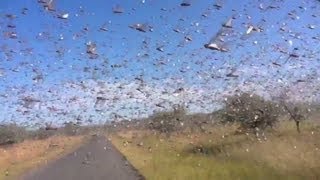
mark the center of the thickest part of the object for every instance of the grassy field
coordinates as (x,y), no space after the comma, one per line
(222,154)
(19,158)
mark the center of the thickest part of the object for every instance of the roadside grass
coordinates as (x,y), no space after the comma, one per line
(19,158)
(223,154)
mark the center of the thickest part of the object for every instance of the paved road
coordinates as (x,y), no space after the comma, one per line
(96,160)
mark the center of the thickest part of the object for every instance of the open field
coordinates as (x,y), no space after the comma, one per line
(223,154)
(18,158)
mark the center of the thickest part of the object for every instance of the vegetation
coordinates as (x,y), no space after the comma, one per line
(70,129)
(176,145)
(218,150)
(42,134)
(296,111)
(21,157)
(296,115)
(168,122)
(22,150)
(11,133)
(251,111)
(223,154)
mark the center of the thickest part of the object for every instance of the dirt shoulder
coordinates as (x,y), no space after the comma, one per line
(98,159)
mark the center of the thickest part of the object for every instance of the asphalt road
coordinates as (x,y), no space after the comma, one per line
(96,160)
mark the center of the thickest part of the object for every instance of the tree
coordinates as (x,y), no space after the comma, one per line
(169,121)
(251,111)
(294,110)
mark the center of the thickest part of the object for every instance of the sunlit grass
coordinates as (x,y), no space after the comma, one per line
(222,154)
(21,157)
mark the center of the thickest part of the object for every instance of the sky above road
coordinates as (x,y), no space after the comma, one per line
(142,56)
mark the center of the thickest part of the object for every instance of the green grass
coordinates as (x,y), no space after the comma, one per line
(223,155)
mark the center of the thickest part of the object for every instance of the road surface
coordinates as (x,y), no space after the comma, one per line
(96,160)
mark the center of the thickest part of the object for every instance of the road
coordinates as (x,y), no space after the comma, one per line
(96,160)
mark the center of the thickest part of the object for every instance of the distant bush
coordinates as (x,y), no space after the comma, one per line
(251,111)
(71,129)
(42,133)
(167,122)
(12,133)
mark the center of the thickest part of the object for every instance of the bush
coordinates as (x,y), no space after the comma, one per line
(70,129)
(167,122)
(42,133)
(11,133)
(251,111)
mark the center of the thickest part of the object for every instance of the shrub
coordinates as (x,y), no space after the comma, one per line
(70,129)
(42,133)
(11,133)
(167,122)
(251,111)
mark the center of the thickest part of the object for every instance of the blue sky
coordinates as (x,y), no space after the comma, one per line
(287,25)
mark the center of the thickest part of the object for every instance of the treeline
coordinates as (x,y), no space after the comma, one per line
(251,112)
(13,133)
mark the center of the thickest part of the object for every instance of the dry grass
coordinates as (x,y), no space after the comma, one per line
(224,155)
(21,157)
